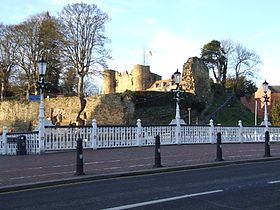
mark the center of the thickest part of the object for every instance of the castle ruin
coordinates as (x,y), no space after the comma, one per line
(195,79)
(140,79)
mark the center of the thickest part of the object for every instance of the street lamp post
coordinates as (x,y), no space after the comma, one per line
(189,110)
(266,100)
(42,66)
(177,91)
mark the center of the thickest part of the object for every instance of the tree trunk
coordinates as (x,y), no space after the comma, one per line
(81,86)
(81,95)
(2,91)
(27,91)
(224,78)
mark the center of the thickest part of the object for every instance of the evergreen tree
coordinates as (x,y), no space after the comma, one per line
(275,112)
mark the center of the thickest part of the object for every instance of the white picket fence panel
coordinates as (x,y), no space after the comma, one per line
(32,143)
(166,133)
(116,136)
(65,137)
(194,134)
(230,134)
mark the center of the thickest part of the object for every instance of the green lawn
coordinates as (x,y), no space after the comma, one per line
(235,112)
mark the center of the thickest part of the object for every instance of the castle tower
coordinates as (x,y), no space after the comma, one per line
(142,77)
(109,81)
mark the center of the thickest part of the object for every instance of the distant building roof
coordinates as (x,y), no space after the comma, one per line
(274,89)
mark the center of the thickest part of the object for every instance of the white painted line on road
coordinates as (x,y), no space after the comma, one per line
(60,166)
(40,175)
(163,200)
(40,167)
(96,162)
(274,182)
(113,161)
(112,168)
(139,165)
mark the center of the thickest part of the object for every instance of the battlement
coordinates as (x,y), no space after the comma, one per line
(140,79)
(195,79)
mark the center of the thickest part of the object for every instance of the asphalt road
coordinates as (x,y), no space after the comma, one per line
(246,186)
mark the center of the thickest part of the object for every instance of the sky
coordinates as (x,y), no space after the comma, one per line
(174,30)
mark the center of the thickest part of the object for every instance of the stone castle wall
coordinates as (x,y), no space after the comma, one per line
(106,109)
(140,79)
(195,79)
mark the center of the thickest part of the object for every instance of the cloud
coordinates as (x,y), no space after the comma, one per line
(150,21)
(124,59)
(171,51)
(31,9)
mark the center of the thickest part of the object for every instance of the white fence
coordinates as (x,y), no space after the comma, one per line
(8,147)
(64,137)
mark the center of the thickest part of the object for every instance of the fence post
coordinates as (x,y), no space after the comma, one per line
(212,132)
(4,140)
(241,130)
(178,131)
(139,133)
(94,135)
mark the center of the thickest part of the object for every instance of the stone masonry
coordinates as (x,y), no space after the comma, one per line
(106,109)
(140,79)
(195,80)
(195,77)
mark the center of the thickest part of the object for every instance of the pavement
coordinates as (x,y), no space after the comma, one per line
(56,168)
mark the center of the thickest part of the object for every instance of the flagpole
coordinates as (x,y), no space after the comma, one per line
(144,57)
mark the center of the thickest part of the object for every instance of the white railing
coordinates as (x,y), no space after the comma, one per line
(229,134)
(8,147)
(116,136)
(195,134)
(65,137)
(166,133)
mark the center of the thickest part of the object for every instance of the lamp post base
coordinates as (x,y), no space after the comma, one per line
(174,122)
(268,123)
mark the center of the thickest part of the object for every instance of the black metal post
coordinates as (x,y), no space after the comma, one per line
(219,148)
(157,152)
(21,145)
(267,145)
(80,158)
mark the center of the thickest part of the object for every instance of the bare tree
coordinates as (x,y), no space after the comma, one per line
(241,61)
(244,61)
(84,39)
(8,49)
(84,42)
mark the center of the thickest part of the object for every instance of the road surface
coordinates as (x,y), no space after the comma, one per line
(246,186)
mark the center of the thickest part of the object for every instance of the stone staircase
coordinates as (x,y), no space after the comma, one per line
(207,118)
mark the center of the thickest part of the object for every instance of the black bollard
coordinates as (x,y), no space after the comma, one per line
(219,148)
(79,163)
(267,145)
(157,152)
